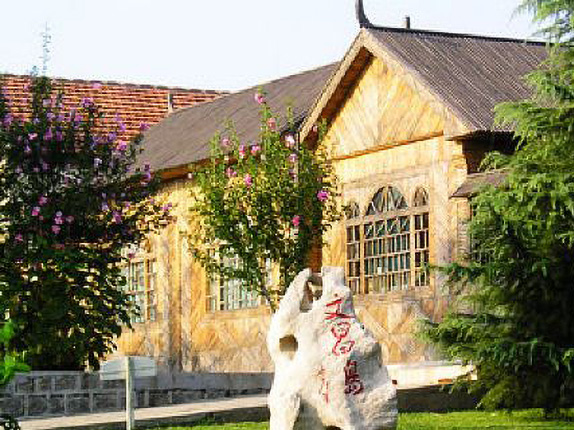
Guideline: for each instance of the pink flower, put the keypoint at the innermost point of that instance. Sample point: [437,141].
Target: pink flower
[255,149]
[259,98]
[56,229]
[43,200]
[230,172]
[225,142]
[144,126]
[96,86]
[293,158]
[69,219]
[32,136]
[289,141]
[272,124]
[48,135]
[296,220]
[122,145]
[19,237]
[323,195]
[105,207]
[242,151]
[248,179]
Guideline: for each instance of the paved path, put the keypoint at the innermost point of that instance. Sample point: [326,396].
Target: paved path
[248,408]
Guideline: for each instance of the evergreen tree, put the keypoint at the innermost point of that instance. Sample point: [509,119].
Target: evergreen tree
[69,205]
[518,328]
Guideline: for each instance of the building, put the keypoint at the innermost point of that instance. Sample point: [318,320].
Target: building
[137,104]
[410,117]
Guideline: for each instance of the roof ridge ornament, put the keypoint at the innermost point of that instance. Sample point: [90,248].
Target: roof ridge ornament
[361,17]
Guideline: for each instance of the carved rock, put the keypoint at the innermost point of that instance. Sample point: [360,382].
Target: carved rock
[328,369]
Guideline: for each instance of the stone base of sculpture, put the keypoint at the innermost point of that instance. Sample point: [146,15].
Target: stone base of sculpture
[328,369]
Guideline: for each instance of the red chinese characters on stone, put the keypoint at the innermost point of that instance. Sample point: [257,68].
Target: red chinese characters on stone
[339,328]
[353,383]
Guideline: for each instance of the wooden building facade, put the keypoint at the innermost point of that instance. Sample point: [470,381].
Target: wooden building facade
[410,117]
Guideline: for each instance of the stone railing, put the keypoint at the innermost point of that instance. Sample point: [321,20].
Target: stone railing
[68,393]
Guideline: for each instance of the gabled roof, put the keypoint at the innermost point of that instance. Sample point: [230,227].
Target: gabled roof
[468,74]
[136,104]
[184,136]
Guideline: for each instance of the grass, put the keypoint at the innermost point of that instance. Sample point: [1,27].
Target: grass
[521,420]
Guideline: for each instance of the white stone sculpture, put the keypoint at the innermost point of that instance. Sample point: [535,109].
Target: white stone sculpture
[328,369]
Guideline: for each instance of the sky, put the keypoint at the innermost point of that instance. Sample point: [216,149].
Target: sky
[217,44]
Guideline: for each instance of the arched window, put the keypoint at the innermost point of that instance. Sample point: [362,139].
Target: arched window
[421,198]
[387,249]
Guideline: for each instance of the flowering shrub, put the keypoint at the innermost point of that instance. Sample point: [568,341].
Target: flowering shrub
[69,204]
[267,202]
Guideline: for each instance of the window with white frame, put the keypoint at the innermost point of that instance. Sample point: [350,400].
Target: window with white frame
[388,248]
[225,295]
[141,283]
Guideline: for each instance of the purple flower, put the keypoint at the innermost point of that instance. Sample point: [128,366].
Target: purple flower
[248,179]
[45,166]
[122,126]
[18,170]
[122,146]
[32,136]
[255,149]
[46,102]
[259,98]
[43,200]
[147,176]
[48,135]
[19,237]
[112,137]
[323,195]
[35,211]
[56,229]
[117,217]
[296,220]
[105,207]
[144,126]
[147,167]
[59,136]
[87,102]
[8,120]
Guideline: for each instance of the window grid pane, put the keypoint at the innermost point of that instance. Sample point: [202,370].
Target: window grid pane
[230,294]
[393,252]
[354,258]
[421,232]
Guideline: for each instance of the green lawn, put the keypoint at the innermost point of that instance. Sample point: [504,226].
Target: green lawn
[523,420]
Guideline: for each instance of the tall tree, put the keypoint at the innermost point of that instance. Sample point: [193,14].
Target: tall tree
[518,328]
[69,204]
[266,203]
